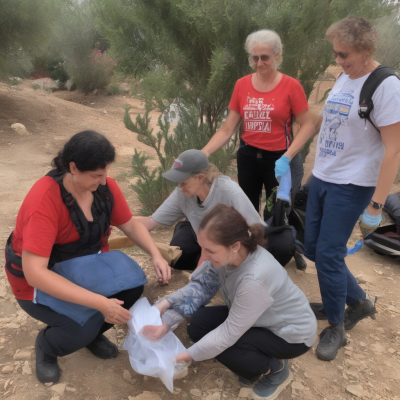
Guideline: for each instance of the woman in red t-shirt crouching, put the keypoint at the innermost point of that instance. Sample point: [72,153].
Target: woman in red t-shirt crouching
[68,214]
[267,101]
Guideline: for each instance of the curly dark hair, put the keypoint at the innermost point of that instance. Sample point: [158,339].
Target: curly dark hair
[226,226]
[358,32]
[89,150]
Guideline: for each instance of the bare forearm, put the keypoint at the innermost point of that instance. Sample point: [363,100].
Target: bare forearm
[141,236]
[222,136]
[387,175]
[148,222]
[305,133]
[219,140]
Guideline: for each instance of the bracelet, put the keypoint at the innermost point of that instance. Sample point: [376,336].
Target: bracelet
[376,205]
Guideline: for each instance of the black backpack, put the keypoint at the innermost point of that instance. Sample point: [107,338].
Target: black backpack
[377,76]
[385,240]
[280,235]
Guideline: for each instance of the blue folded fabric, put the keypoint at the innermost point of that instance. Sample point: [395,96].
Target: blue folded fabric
[105,273]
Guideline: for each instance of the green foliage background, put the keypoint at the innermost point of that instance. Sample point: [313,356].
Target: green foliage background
[190,52]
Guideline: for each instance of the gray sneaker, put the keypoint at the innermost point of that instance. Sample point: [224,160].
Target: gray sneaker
[270,386]
[331,340]
[358,311]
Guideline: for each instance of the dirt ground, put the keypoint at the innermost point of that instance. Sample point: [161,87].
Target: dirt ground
[367,368]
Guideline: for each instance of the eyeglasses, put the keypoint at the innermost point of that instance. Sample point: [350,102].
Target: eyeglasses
[336,54]
[264,58]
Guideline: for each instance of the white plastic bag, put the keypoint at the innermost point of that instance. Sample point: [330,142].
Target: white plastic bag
[155,359]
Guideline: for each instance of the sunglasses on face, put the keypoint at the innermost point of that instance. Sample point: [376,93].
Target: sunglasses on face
[264,58]
[336,54]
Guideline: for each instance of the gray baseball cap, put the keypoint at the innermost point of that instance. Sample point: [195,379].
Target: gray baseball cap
[188,163]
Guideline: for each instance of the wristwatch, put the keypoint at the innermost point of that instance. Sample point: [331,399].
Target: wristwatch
[376,205]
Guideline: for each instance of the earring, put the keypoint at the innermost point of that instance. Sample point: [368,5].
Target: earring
[366,62]
[235,251]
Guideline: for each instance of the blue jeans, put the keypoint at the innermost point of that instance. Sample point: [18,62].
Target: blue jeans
[332,212]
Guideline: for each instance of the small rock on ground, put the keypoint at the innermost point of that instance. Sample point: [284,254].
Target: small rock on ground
[356,390]
[20,129]
[146,396]
[59,388]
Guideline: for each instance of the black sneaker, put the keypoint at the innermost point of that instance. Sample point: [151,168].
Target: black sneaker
[300,262]
[103,348]
[358,311]
[270,386]
[331,340]
[47,369]
[318,310]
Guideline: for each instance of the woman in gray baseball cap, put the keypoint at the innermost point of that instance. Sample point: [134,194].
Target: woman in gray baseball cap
[200,187]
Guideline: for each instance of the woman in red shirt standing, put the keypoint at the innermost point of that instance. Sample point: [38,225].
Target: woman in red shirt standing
[267,101]
[68,214]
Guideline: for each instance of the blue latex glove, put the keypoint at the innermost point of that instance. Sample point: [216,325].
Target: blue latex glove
[281,166]
[372,221]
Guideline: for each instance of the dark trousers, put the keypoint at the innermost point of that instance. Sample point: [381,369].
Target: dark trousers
[252,354]
[332,212]
[186,238]
[257,168]
[63,335]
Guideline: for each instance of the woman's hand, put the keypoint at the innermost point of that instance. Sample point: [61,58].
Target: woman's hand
[163,270]
[163,306]
[185,356]
[155,332]
[281,166]
[369,222]
[114,313]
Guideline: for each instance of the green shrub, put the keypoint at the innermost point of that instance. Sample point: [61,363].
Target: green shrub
[113,89]
[56,69]
[92,72]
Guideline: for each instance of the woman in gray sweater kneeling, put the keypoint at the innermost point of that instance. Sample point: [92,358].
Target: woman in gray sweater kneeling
[267,318]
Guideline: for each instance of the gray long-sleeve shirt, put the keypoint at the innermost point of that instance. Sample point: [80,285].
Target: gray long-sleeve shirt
[223,190]
[258,293]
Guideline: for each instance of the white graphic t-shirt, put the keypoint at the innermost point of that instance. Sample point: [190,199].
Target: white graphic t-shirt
[350,149]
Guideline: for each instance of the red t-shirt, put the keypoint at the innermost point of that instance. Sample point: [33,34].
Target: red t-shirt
[265,114]
[43,220]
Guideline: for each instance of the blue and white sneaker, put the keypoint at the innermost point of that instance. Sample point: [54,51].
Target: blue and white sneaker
[270,386]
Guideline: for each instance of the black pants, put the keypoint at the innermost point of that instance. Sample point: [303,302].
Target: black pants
[63,335]
[186,238]
[257,168]
[252,354]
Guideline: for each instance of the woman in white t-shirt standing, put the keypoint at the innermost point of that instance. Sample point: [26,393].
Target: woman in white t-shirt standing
[355,166]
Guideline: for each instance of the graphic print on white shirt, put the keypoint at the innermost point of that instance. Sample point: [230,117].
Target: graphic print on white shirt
[256,115]
[337,110]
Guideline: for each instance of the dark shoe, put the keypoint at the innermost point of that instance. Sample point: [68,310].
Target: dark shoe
[247,382]
[47,369]
[319,310]
[270,386]
[331,340]
[358,311]
[102,347]
[300,262]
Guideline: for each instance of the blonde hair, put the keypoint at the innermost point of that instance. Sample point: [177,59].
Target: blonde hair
[210,173]
[358,32]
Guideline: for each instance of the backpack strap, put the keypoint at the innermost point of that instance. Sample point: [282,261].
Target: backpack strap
[377,76]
